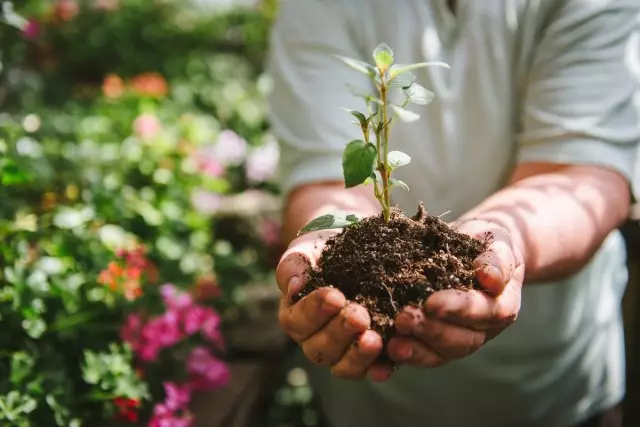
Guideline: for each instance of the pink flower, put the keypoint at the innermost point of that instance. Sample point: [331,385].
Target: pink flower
[262,162]
[146,126]
[176,396]
[211,331]
[66,10]
[205,371]
[158,333]
[175,299]
[205,201]
[31,30]
[270,232]
[230,149]
[164,417]
[194,317]
[130,332]
[210,167]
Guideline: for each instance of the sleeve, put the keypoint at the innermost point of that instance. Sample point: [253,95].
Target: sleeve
[309,93]
[582,98]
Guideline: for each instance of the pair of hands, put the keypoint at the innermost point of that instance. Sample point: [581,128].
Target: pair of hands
[451,325]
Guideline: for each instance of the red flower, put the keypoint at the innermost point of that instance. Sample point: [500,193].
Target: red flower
[113,86]
[126,409]
[150,84]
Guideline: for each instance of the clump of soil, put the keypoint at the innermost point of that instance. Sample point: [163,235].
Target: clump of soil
[386,266]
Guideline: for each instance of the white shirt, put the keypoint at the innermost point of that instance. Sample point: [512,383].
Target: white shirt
[530,80]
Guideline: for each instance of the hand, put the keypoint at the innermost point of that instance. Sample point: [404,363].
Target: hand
[454,324]
[331,331]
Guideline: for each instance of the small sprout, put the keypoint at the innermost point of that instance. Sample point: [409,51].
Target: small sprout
[368,160]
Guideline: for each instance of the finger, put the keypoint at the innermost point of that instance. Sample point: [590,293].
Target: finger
[495,266]
[446,339]
[412,352]
[327,346]
[380,372]
[302,254]
[475,309]
[311,313]
[361,354]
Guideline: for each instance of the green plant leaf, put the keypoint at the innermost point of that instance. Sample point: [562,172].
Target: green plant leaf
[361,93]
[375,176]
[362,119]
[403,81]
[383,56]
[357,162]
[418,94]
[330,221]
[398,159]
[398,69]
[398,183]
[404,114]
[360,66]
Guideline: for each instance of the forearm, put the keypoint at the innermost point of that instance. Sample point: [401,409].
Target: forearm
[558,215]
[310,201]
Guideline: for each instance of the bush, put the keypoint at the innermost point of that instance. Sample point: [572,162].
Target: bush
[136,201]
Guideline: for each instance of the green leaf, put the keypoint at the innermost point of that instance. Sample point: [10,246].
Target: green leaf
[375,176]
[330,221]
[418,94]
[398,183]
[398,159]
[362,119]
[404,114]
[398,69]
[383,56]
[361,93]
[360,66]
[357,162]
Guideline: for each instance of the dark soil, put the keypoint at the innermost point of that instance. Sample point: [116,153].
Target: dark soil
[386,266]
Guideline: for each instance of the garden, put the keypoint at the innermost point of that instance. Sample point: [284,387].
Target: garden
[139,218]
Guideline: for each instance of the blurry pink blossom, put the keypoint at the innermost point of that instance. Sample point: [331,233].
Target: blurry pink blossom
[164,417]
[205,201]
[130,332]
[160,332]
[210,167]
[31,30]
[106,4]
[270,232]
[176,396]
[211,331]
[146,126]
[262,162]
[194,317]
[230,149]
[205,371]
[174,299]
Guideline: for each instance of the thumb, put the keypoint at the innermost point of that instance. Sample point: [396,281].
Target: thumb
[303,253]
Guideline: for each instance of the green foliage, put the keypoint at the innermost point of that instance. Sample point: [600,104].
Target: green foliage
[363,161]
[330,221]
[357,162]
[107,126]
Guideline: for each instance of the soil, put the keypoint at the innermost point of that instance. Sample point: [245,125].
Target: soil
[386,266]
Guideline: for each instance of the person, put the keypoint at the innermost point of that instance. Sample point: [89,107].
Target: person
[533,136]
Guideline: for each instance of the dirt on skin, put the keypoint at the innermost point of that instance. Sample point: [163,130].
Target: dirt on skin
[386,266]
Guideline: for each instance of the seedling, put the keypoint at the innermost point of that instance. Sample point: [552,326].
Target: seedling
[368,160]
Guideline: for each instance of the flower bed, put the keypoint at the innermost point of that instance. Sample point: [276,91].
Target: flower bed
[137,205]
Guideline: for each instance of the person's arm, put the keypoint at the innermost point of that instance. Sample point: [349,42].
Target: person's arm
[558,215]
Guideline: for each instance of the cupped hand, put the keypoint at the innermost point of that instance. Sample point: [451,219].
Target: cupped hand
[453,324]
[332,331]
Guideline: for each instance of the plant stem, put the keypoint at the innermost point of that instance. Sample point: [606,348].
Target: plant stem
[382,165]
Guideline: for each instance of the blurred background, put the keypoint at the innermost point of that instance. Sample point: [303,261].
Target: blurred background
[141,123]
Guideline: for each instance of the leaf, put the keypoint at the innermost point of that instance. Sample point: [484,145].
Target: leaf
[360,66]
[418,94]
[403,81]
[398,69]
[398,159]
[357,162]
[362,119]
[404,114]
[375,176]
[361,93]
[398,183]
[339,219]
[383,56]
